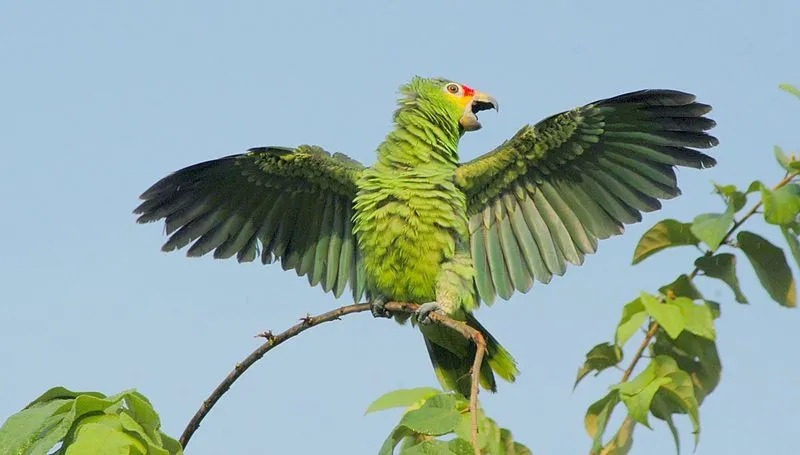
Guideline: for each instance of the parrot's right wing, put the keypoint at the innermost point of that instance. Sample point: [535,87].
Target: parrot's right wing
[543,198]
[295,204]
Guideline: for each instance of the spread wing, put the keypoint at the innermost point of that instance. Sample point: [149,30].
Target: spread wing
[543,198]
[272,202]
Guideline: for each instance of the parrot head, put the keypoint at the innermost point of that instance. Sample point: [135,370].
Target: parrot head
[457,103]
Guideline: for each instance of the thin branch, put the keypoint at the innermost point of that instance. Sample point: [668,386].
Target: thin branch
[647,337]
[272,341]
[480,349]
[310,321]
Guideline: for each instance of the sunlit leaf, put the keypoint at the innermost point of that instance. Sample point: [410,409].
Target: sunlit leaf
[87,422]
[771,267]
[101,437]
[754,186]
[712,227]
[732,195]
[460,446]
[668,316]
[664,234]
[638,404]
[401,398]
[622,441]
[431,421]
[597,417]
[782,205]
[697,318]
[722,267]
[790,88]
[633,316]
[781,157]
[429,447]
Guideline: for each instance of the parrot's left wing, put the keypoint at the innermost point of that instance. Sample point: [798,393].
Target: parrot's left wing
[544,197]
[295,204]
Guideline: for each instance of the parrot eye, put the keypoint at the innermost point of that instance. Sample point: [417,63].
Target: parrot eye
[453,88]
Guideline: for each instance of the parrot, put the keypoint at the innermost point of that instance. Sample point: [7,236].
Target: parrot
[420,226]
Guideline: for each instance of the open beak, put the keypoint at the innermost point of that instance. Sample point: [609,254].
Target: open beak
[480,102]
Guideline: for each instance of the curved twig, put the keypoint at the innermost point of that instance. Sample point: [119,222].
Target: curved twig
[311,321]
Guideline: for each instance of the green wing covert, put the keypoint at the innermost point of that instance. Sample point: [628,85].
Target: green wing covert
[295,204]
[544,197]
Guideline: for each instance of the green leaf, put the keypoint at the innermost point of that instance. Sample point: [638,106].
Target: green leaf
[722,267]
[732,196]
[35,427]
[633,316]
[697,318]
[790,89]
[597,416]
[662,409]
[521,449]
[714,307]
[754,186]
[667,315]
[781,157]
[446,401]
[87,422]
[794,245]
[695,355]
[623,440]
[431,421]
[401,398]
[600,357]
[676,396]
[460,446]
[638,404]
[712,227]
[782,205]
[664,234]
[681,287]
[771,267]
[398,433]
[430,447]
[104,438]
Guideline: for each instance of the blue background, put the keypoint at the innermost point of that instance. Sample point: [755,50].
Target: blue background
[98,100]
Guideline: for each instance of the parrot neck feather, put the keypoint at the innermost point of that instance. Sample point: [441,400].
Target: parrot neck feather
[421,137]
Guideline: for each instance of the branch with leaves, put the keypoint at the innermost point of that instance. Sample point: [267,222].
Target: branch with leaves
[680,338]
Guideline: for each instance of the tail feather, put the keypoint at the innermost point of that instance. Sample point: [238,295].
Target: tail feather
[452,357]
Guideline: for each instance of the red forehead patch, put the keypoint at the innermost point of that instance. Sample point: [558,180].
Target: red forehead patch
[468,91]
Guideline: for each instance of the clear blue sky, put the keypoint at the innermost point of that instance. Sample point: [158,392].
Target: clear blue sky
[98,100]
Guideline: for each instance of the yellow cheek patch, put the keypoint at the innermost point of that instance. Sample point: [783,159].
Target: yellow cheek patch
[460,100]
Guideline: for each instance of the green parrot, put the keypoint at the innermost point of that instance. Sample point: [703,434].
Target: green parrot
[419,226]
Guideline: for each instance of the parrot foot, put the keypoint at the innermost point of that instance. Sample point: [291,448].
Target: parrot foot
[377,308]
[424,311]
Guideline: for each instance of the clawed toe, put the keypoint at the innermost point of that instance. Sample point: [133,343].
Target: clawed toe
[424,312]
[378,309]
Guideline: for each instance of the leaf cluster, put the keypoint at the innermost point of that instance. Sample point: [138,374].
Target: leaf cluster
[439,423]
[87,422]
[680,339]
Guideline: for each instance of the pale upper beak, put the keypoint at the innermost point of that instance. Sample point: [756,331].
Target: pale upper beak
[480,102]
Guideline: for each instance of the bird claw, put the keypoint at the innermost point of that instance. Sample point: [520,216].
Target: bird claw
[378,309]
[424,311]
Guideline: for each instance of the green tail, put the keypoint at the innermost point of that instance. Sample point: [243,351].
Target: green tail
[452,357]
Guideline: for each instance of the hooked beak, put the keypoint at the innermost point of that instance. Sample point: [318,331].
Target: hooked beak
[480,102]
